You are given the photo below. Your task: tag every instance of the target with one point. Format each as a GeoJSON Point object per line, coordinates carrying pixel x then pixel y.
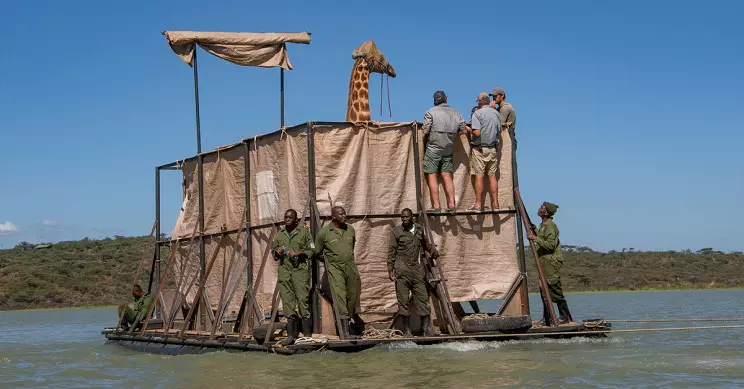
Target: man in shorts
{"type": "Point", "coordinates": [484, 151]}
{"type": "Point", "coordinates": [442, 123]}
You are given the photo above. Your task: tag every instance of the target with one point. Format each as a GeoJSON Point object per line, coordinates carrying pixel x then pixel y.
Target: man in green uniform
{"type": "Point", "coordinates": [135, 311]}
{"type": "Point", "coordinates": [336, 241]}
{"type": "Point", "coordinates": [551, 259]}
{"type": "Point", "coordinates": [292, 248]}
{"type": "Point", "coordinates": [405, 269]}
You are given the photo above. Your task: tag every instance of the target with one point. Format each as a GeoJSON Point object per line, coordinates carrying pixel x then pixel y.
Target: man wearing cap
{"type": "Point", "coordinates": [506, 111]}
{"type": "Point", "coordinates": [484, 151]}
{"type": "Point", "coordinates": [442, 123]}
{"type": "Point", "coordinates": [551, 259]}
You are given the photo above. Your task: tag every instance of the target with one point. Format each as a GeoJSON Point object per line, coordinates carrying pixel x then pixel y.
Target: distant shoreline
{"type": "Point", "coordinates": [531, 293]}
{"type": "Point", "coordinates": [89, 273]}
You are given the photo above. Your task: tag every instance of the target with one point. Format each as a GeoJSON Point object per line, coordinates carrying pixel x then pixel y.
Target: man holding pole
{"type": "Point", "coordinates": [406, 270]}
{"type": "Point", "coordinates": [336, 241]}
{"type": "Point", "coordinates": [292, 248]}
{"type": "Point", "coordinates": [547, 240]}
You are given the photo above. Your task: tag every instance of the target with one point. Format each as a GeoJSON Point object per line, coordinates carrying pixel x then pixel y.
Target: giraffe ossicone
{"type": "Point", "coordinates": [367, 58]}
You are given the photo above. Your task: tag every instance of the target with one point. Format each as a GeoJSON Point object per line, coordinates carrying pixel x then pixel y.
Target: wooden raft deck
{"type": "Point", "coordinates": [197, 342]}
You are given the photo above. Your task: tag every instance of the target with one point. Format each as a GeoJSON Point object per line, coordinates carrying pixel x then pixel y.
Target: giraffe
{"type": "Point", "coordinates": [366, 59]}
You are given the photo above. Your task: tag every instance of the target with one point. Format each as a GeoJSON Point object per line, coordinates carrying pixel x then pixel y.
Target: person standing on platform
{"type": "Point", "coordinates": [336, 241]}
{"type": "Point", "coordinates": [549, 254]}
{"type": "Point", "coordinates": [292, 248]}
{"type": "Point", "coordinates": [442, 123]}
{"type": "Point", "coordinates": [406, 270]}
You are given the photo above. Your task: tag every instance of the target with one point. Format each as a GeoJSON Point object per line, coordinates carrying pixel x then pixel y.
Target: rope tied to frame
{"type": "Point", "coordinates": [374, 333]}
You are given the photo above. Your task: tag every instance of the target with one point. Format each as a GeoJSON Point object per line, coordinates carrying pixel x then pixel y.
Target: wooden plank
{"type": "Point", "coordinates": [178, 298]}
{"type": "Point", "coordinates": [513, 304]}
{"type": "Point", "coordinates": [202, 286]}
{"type": "Point", "coordinates": [165, 276]}
{"type": "Point", "coordinates": [543, 283]}
{"type": "Point", "coordinates": [437, 272]}
{"type": "Point", "coordinates": [220, 309]}
{"type": "Point", "coordinates": [274, 312]}
{"type": "Point", "coordinates": [254, 308]}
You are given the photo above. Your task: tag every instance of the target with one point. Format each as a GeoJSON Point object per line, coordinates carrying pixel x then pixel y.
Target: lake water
{"type": "Point", "coordinates": [64, 349]}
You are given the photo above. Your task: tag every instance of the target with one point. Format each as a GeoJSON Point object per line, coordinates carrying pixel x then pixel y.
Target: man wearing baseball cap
{"type": "Point", "coordinates": [442, 123]}
{"type": "Point", "coordinates": [484, 151]}
{"type": "Point", "coordinates": [506, 111]}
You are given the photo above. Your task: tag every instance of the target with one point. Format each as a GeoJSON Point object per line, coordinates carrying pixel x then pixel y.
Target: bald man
{"type": "Point", "coordinates": [336, 241]}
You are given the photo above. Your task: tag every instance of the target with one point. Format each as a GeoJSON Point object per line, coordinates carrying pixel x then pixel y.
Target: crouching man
{"type": "Point", "coordinates": [134, 312]}
{"type": "Point", "coordinates": [406, 270]}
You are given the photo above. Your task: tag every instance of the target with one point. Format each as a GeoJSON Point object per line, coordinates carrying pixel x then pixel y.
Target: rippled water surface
{"type": "Point", "coordinates": [64, 349]}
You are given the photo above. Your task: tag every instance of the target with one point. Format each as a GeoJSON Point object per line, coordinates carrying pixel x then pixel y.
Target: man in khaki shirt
{"type": "Point", "coordinates": [506, 111]}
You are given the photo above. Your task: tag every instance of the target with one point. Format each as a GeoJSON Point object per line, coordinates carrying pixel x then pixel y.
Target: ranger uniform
{"type": "Point", "coordinates": [135, 311]}
{"type": "Point", "coordinates": [293, 275]}
{"type": "Point", "coordinates": [404, 265]}
{"type": "Point", "coordinates": [551, 259]}
{"type": "Point", "coordinates": [337, 243]}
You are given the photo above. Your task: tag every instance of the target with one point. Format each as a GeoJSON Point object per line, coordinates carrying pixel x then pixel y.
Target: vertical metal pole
{"type": "Point", "coordinates": [249, 236]}
{"type": "Point", "coordinates": [281, 78]}
{"type": "Point", "coordinates": [156, 259]}
{"type": "Point", "coordinates": [201, 191]}
{"type": "Point", "coordinates": [315, 273]}
{"type": "Point", "coordinates": [417, 167]}
{"type": "Point", "coordinates": [520, 232]}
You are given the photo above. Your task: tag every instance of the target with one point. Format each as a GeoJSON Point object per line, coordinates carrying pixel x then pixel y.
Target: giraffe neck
{"type": "Point", "coordinates": [357, 108]}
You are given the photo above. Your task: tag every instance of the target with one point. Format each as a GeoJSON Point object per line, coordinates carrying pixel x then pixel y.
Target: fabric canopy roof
{"type": "Point", "coordinates": [241, 48]}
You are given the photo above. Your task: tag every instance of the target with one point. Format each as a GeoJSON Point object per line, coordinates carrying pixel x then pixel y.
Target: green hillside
{"type": "Point", "coordinates": [99, 272]}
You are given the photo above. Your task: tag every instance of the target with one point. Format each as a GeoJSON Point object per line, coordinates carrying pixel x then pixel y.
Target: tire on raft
{"type": "Point", "coordinates": [259, 331]}
{"type": "Point", "coordinates": [506, 324]}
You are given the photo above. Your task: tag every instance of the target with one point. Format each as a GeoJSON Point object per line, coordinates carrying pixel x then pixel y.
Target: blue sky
{"type": "Point", "coordinates": [628, 112]}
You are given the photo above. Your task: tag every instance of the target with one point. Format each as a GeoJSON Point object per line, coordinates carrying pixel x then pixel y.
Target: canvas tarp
{"type": "Point", "coordinates": [241, 48]}
{"type": "Point", "coordinates": [367, 170]}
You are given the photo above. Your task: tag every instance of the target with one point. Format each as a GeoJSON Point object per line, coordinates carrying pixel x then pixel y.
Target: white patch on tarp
{"type": "Point", "coordinates": [267, 195]}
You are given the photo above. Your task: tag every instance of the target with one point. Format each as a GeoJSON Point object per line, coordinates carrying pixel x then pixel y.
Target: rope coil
{"type": "Point", "coordinates": [374, 333]}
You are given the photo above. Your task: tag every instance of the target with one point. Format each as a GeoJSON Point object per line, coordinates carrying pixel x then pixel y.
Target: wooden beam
{"type": "Point", "coordinates": [162, 281]}
{"type": "Point", "coordinates": [202, 285]}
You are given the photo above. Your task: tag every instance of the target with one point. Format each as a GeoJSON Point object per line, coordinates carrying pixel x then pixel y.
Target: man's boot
{"type": "Point", "coordinates": [565, 314]}
{"type": "Point", "coordinates": [406, 326]}
{"type": "Point", "coordinates": [291, 328]}
{"type": "Point", "coordinates": [345, 330]}
{"type": "Point", "coordinates": [307, 327]}
{"type": "Point", "coordinates": [547, 321]}
{"type": "Point", "coordinates": [425, 325]}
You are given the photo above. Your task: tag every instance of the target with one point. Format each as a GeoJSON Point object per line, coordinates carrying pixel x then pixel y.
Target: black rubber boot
{"type": "Point", "coordinates": [565, 314]}
{"type": "Point", "coordinates": [406, 320]}
{"type": "Point", "coordinates": [425, 325]}
{"type": "Point", "coordinates": [345, 330]}
{"type": "Point", "coordinates": [547, 321]}
{"type": "Point", "coordinates": [307, 327]}
{"type": "Point", "coordinates": [291, 331]}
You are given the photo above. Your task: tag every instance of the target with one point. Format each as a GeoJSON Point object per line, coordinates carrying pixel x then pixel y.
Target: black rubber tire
{"type": "Point", "coordinates": [259, 331]}
{"type": "Point", "coordinates": [508, 324]}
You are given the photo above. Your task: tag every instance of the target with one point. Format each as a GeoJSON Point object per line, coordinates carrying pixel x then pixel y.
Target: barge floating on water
{"type": "Point", "coordinates": [216, 289]}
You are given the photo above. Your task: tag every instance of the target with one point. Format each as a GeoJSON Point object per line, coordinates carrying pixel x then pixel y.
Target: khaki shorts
{"type": "Point", "coordinates": [435, 163]}
{"type": "Point", "coordinates": [484, 161]}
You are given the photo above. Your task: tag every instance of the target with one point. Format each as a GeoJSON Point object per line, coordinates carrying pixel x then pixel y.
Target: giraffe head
{"type": "Point", "coordinates": [376, 62]}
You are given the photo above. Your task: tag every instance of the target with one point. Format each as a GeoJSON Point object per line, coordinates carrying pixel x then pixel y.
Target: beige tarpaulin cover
{"type": "Point", "coordinates": [241, 48]}
{"type": "Point", "coordinates": [367, 170]}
